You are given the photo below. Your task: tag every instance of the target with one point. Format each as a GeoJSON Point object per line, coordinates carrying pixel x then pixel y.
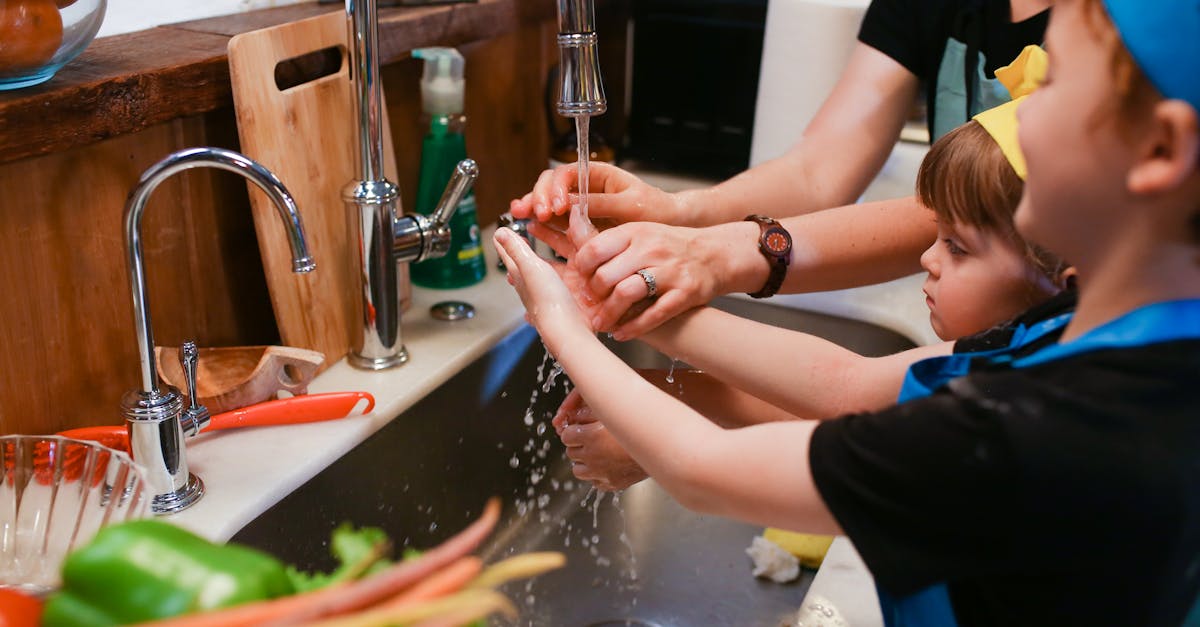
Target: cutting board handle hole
{"type": "Point", "coordinates": [309, 67]}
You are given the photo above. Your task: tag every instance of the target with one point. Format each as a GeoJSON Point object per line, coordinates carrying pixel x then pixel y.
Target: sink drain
{"type": "Point", "coordinates": [623, 622]}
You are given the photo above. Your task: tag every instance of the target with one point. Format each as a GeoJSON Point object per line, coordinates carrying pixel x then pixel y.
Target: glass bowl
{"type": "Point", "coordinates": [55, 494]}
{"type": "Point", "coordinates": [37, 37]}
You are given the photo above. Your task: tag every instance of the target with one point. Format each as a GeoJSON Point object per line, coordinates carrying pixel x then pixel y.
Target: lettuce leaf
{"type": "Point", "coordinates": [359, 552]}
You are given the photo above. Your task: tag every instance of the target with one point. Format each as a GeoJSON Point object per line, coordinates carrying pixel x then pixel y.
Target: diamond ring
{"type": "Point", "coordinates": [651, 285]}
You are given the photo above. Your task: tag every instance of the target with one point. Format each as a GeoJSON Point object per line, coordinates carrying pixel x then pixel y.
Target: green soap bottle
{"type": "Point", "coordinates": [444, 146]}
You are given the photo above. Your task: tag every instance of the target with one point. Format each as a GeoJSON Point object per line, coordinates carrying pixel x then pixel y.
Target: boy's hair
{"type": "Point", "coordinates": [966, 179]}
{"type": "Point", "coordinates": [1133, 88]}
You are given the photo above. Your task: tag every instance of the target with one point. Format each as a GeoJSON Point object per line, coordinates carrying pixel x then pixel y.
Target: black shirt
{"type": "Point", "coordinates": [1065, 493]}
{"type": "Point", "coordinates": [915, 33]}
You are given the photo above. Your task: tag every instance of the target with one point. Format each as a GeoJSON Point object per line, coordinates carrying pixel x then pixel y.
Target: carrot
{"type": "Point", "coordinates": [446, 581]}
{"type": "Point", "coordinates": [521, 566]}
{"type": "Point", "coordinates": [455, 609]}
{"type": "Point", "coordinates": [347, 596]}
{"type": "Point", "coordinates": [439, 585]}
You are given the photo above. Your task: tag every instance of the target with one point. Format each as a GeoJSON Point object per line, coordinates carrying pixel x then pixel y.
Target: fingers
{"type": "Point", "coordinates": [521, 208]}
{"type": "Point", "coordinates": [556, 239]}
{"type": "Point", "coordinates": [662, 309]}
{"type": "Point", "coordinates": [602, 248]}
{"type": "Point", "coordinates": [579, 434]}
{"type": "Point", "coordinates": [631, 290]}
{"type": "Point", "coordinates": [618, 269]}
{"type": "Point", "coordinates": [543, 195]}
{"type": "Point", "coordinates": [569, 410]}
{"type": "Point", "coordinates": [501, 241]}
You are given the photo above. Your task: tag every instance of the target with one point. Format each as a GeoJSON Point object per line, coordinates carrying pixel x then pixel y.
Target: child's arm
{"type": "Point", "coordinates": [758, 474]}
{"type": "Point", "coordinates": [800, 373]}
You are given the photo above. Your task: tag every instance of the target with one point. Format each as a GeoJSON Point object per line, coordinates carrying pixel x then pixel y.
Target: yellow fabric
{"type": "Point", "coordinates": [810, 548]}
{"type": "Point", "coordinates": [1021, 77]}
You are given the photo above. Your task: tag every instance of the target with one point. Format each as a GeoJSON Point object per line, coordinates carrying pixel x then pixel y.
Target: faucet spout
{"type": "Point", "coordinates": [153, 412]}
{"type": "Point", "coordinates": [581, 91]}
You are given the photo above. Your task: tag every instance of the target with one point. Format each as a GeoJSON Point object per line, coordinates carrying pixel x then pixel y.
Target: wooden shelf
{"type": "Point", "coordinates": [126, 83]}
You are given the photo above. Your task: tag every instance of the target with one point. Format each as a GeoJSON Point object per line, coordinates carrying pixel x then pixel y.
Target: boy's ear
{"type": "Point", "coordinates": [1173, 152]}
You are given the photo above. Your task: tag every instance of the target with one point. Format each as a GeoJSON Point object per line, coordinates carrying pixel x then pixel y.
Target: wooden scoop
{"type": "Point", "coordinates": [231, 377]}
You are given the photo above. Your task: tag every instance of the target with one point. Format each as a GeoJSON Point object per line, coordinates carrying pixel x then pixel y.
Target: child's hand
{"type": "Point", "coordinates": [594, 453]}
{"type": "Point", "coordinates": [549, 305]}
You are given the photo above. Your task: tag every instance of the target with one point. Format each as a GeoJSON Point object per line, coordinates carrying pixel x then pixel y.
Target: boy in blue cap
{"type": "Point", "coordinates": [1053, 481]}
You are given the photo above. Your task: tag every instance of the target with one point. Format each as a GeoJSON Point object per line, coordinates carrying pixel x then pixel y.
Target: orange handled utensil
{"type": "Point", "coordinates": [284, 411]}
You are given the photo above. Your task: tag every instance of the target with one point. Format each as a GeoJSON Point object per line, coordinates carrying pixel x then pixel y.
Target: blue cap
{"type": "Point", "coordinates": [1163, 36]}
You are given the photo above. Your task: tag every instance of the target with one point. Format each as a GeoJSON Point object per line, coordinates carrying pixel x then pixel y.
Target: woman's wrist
{"type": "Point", "coordinates": [731, 251]}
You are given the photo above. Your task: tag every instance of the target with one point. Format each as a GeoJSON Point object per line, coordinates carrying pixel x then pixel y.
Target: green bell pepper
{"type": "Point", "coordinates": [148, 569]}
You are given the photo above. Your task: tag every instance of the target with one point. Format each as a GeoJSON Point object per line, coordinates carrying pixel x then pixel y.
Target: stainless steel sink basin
{"type": "Point", "coordinates": [634, 559]}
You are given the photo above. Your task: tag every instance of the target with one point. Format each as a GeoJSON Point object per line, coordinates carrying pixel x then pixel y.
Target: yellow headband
{"type": "Point", "coordinates": [1021, 77]}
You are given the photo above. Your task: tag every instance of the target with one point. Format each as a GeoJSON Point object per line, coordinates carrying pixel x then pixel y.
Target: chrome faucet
{"type": "Point", "coordinates": [582, 90]}
{"type": "Point", "coordinates": [386, 237]}
{"type": "Point", "coordinates": [154, 414]}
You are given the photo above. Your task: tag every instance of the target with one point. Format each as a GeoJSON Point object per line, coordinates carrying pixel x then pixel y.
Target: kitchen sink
{"type": "Point", "coordinates": [633, 558]}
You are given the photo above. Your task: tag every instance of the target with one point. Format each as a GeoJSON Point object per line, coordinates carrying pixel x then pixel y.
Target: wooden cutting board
{"type": "Point", "coordinates": [308, 136]}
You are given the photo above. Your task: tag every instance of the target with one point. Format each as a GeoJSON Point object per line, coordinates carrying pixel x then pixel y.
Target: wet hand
{"type": "Point", "coordinates": [683, 263]}
{"type": "Point", "coordinates": [613, 193]}
{"type": "Point", "coordinates": [549, 304]}
{"type": "Point", "coordinates": [594, 453]}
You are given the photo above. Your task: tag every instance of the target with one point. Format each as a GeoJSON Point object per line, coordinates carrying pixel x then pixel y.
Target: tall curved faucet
{"type": "Point", "coordinates": [385, 235]}
{"type": "Point", "coordinates": [153, 413]}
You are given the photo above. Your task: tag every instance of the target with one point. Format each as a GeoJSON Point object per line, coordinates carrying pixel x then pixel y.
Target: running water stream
{"type": "Point", "coordinates": [580, 227]}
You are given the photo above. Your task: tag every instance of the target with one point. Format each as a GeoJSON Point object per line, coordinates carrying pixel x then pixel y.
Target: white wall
{"type": "Point", "coordinates": [125, 16]}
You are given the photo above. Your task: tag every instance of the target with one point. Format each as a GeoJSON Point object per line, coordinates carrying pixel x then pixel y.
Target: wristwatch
{"type": "Point", "coordinates": [775, 243]}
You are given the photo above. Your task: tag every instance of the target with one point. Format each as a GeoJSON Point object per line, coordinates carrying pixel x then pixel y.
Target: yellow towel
{"type": "Point", "coordinates": [809, 547]}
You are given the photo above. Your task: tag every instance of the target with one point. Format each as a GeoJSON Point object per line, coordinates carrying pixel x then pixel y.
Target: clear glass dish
{"type": "Point", "coordinates": [55, 494]}
{"type": "Point", "coordinates": [38, 37]}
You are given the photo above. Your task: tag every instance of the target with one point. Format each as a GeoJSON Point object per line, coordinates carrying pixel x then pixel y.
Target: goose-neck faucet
{"type": "Point", "coordinates": [386, 237]}
{"type": "Point", "coordinates": [154, 413]}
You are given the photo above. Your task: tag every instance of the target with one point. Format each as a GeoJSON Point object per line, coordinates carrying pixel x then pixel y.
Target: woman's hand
{"type": "Point", "coordinates": [558, 315]}
{"type": "Point", "coordinates": [613, 193]}
{"type": "Point", "coordinates": [690, 267]}
{"type": "Point", "coordinates": [594, 453]}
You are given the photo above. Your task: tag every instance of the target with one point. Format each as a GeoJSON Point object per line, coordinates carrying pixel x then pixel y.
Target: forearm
{"type": "Point", "coordinates": [720, 402]}
{"type": "Point", "coordinates": [838, 248]}
{"type": "Point", "coordinates": [840, 151]}
{"type": "Point", "coordinates": [821, 379]}
{"type": "Point", "coordinates": [758, 474]}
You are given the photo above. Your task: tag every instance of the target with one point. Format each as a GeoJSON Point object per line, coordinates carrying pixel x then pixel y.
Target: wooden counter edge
{"type": "Point", "coordinates": [125, 83]}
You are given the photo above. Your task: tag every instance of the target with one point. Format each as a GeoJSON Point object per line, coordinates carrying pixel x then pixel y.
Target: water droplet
{"type": "Point", "coordinates": [513, 462]}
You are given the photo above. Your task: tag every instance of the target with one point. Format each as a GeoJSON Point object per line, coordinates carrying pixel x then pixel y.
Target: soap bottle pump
{"type": "Point", "coordinates": [442, 88]}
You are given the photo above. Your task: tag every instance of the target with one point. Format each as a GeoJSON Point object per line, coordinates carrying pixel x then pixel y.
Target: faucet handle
{"type": "Point", "coordinates": [460, 183]}
{"type": "Point", "coordinates": [195, 416]}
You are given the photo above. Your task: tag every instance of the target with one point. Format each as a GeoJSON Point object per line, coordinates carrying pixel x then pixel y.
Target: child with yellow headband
{"type": "Point", "coordinates": [1054, 481]}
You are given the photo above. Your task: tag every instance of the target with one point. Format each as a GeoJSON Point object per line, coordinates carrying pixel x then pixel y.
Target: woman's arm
{"type": "Point", "coordinates": [833, 249]}
{"type": "Point", "coordinates": [797, 372]}
{"type": "Point", "coordinates": [839, 153]}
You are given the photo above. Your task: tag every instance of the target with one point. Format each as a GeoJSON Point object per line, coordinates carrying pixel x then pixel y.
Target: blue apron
{"type": "Point", "coordinates": [1152, 324]}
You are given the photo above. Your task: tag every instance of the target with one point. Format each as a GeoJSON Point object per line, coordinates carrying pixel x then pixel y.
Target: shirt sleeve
{"type": "Point", "coordinates": [895, 28]}
{"type": "Point", "coordinates": [925, 490]}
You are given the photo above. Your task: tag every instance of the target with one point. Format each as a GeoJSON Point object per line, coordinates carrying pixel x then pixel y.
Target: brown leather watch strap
{"type": "Point", "coordinates": [775, 243]}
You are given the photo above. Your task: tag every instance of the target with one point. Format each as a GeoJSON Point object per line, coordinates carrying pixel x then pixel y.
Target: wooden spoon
{"type": "Point", "coordinates": [231, 377]}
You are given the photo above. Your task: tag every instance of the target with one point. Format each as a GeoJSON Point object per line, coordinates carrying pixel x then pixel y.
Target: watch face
{"type": "Point", "coordinates": [777, 241]}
